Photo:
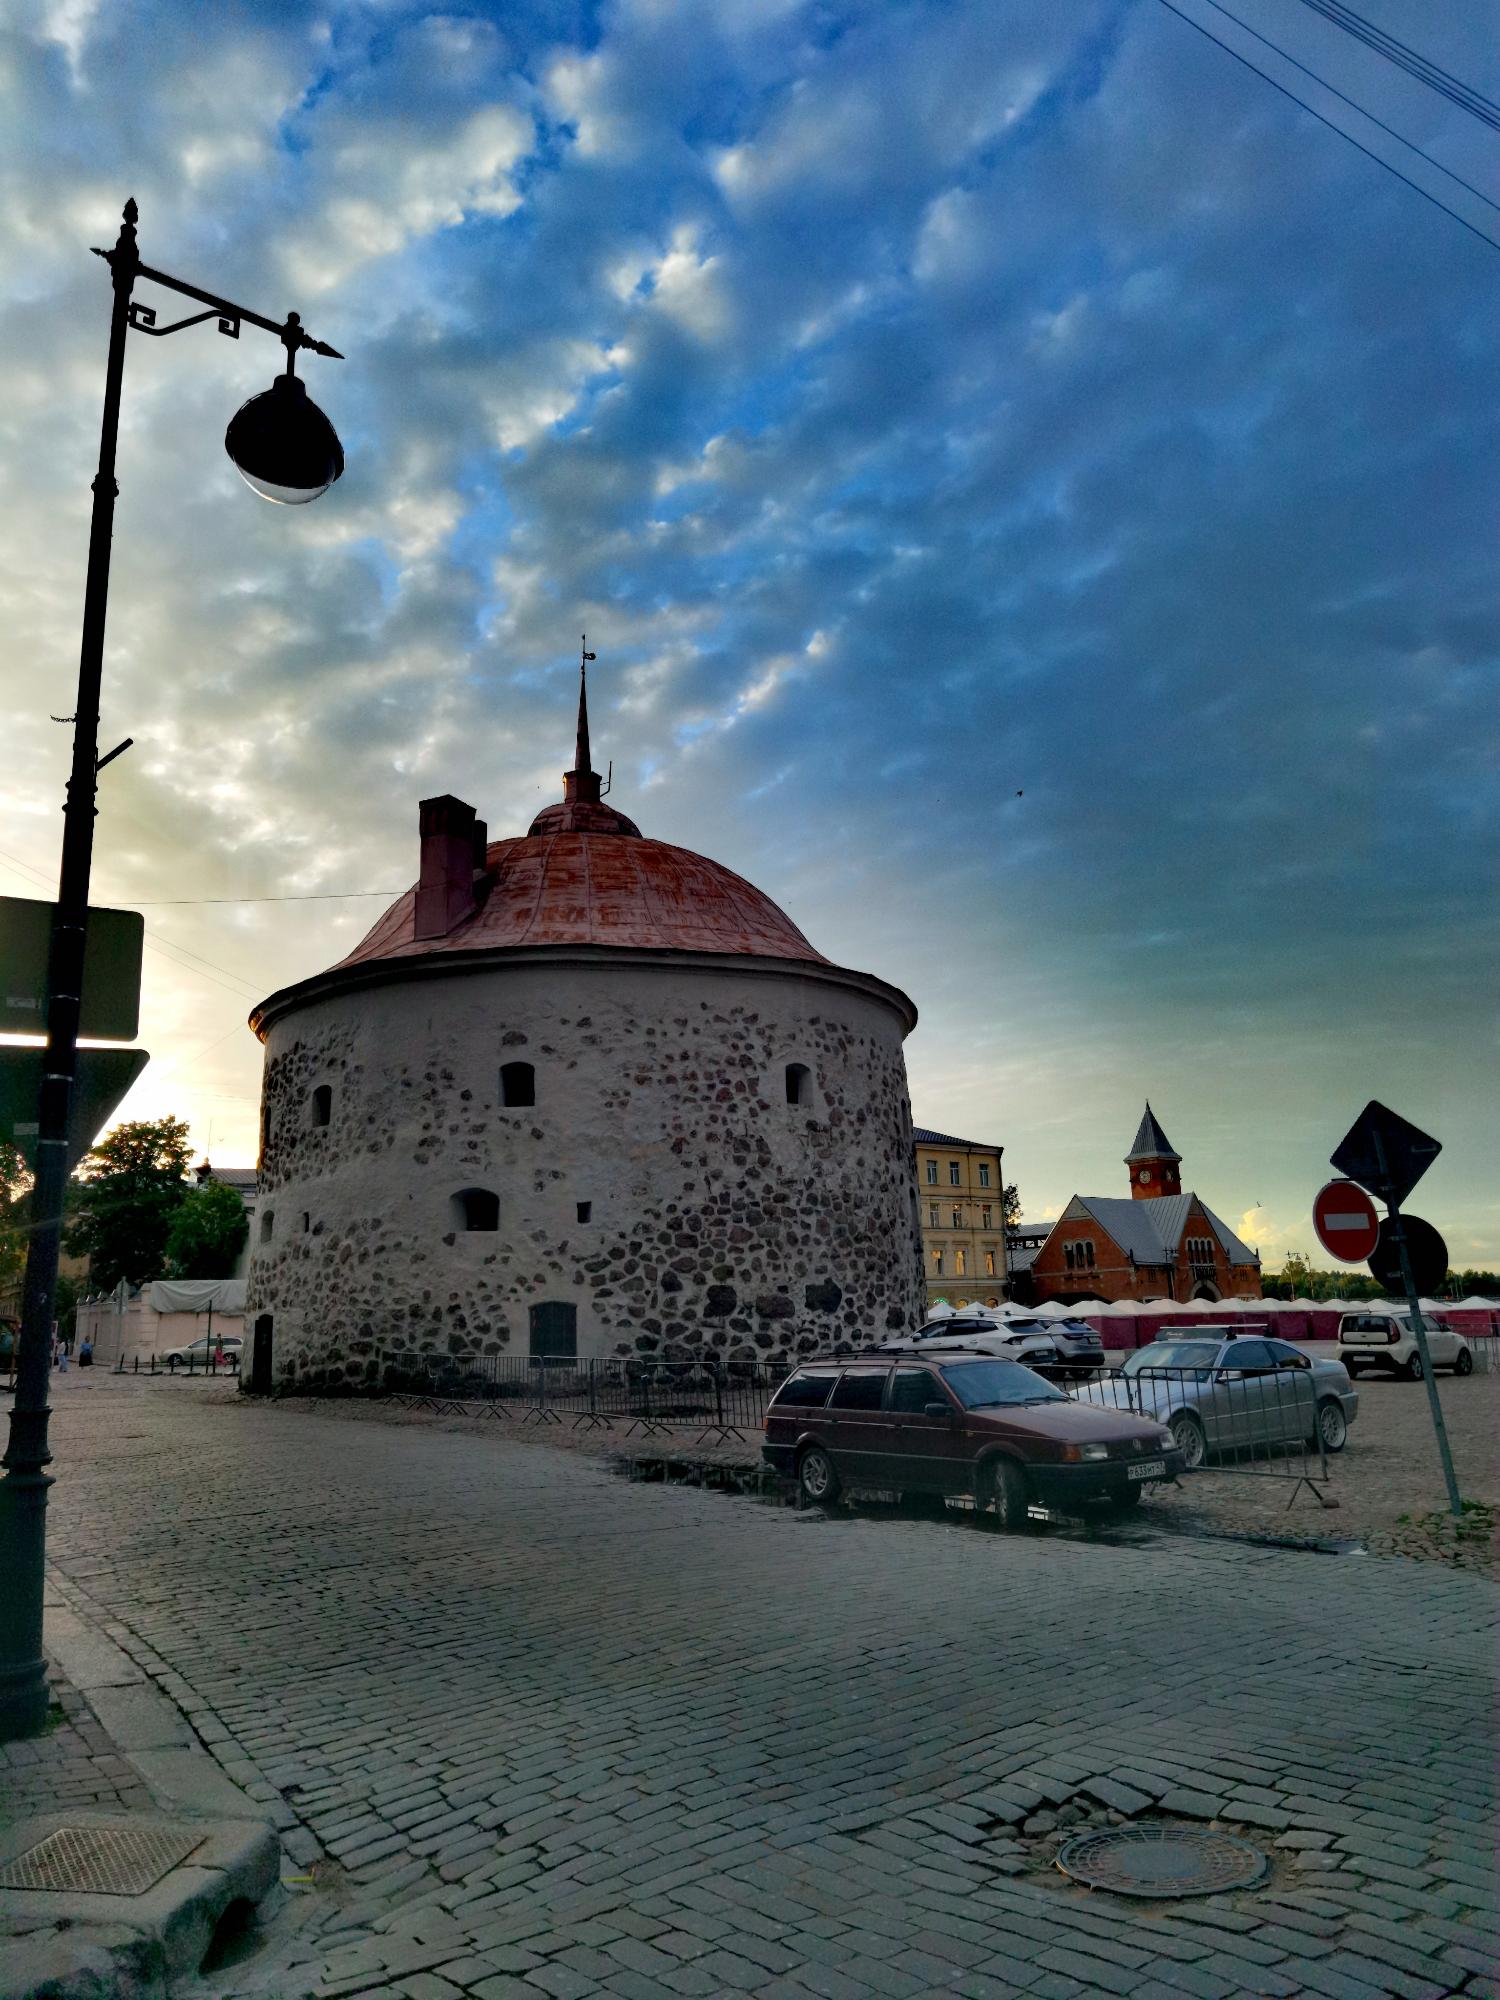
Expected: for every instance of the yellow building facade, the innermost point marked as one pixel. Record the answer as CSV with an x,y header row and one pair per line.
x,y
961,1204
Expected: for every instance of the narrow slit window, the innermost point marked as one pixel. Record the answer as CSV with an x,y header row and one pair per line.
x,y
322,1104
585,1210
798,1083
517,1085
306,1222
475,1209
267,1223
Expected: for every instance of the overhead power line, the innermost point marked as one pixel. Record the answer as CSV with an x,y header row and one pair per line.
x,y
1265,75
1334,90
1453,88
203,902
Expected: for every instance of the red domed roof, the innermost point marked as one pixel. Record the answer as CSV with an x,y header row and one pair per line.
x,y
600,889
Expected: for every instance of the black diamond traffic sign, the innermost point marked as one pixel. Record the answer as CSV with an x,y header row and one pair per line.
x,y
1385,1154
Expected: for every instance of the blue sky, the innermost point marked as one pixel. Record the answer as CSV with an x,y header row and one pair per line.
x,y
1029,486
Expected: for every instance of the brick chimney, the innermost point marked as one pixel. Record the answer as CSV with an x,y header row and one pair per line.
x,y
453,845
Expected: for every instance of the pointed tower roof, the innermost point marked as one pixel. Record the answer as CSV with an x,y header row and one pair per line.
x,y
1151,1143
583,809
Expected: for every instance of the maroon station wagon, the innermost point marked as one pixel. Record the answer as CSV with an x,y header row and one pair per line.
x,y
959,1424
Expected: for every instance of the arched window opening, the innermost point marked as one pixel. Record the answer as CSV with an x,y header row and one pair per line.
x,y
798,1083
267,1222
517,1085
322,1104
476,1208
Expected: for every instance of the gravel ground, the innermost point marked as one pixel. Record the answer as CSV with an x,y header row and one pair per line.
x,y
1387,1483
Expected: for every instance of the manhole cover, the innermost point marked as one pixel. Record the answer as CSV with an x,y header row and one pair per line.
x,y
1162,1861
100,1860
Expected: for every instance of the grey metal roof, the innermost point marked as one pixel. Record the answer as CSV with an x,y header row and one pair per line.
x,y
1151,1231
921,1136
1151,1143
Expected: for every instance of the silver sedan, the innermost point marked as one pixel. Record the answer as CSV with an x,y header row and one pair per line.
x,y
1233,1395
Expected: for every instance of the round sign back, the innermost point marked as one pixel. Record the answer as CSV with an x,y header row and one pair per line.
x,y
1425,1249
1345,1219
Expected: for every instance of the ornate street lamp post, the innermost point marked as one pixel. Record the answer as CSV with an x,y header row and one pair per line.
x,y
286,449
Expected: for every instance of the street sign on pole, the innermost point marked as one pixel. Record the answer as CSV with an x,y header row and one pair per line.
x,y
1425,1249
1385,1153
111,971
100,1081
1345,1219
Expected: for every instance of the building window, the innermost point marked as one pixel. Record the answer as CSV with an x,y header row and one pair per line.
x,y
322,1104
958,1218
267,1221
984,1174
517,1085
798,1083
932,1173
585,1210
1068,1255
476,1208
937,1263
953,1179
986,1214
932,1215
306,1222
960,1263
989,1263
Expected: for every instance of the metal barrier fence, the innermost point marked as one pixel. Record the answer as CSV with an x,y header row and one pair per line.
x,y
721,1400
1278,1422
1486,1351
193,1364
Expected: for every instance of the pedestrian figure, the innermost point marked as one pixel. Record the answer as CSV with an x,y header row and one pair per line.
x,y
218,1354
7,1352
86,1352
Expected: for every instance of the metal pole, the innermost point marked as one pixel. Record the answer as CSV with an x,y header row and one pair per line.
x,y
23,1490
1419,1328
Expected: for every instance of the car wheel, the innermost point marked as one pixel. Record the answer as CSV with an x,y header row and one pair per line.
x,y
818,1476
172,1363
1333,1425
1187,1435
1009,1493
1465,1362
1414,1369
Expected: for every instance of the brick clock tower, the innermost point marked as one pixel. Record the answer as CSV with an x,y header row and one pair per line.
x,y
1154,1167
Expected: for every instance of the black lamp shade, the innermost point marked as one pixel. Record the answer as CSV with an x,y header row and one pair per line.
x,y
283,446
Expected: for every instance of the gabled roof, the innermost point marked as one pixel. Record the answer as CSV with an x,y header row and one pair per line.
x,y
923,1137
1151,1231
1151,1143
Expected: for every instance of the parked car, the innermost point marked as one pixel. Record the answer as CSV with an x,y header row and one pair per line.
x,y
202,1351
920,1422
1069,1345
1388,1340
1218,1390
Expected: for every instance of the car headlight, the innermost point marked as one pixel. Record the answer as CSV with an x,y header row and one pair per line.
x,y
1074,1453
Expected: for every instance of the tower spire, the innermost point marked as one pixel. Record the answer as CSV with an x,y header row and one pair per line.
x,y
581,784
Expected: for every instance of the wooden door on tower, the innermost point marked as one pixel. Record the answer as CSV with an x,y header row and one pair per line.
x,y
554,1331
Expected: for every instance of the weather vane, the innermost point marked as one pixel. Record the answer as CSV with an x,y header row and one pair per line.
x,y
587,655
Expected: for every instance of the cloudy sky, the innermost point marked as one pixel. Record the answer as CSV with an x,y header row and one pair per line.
x,y
1030,488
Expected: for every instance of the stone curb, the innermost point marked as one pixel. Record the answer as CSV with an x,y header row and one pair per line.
x,y
70,1946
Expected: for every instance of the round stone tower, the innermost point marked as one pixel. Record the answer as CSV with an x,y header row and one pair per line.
x,y
580,1093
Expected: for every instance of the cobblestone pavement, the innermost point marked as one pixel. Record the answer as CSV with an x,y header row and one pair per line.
x,y
533,1730
72,1764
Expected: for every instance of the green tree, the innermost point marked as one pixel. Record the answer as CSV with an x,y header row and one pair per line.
x,y
15,1191
129,1188
1010,1206
207,1234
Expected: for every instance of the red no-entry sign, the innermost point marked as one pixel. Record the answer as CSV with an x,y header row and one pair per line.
x,y
1345,1219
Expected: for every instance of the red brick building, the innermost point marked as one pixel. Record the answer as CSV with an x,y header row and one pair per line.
x,y
1157,1242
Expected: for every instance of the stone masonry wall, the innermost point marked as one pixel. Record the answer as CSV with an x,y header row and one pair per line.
x,y
721,1219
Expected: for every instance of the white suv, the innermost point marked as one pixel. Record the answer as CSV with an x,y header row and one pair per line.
x,y
1386,1340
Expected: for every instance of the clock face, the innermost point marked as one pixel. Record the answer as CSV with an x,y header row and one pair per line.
x,y
1145,1174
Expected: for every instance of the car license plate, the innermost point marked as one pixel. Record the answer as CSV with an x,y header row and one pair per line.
x,y
1151,1468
